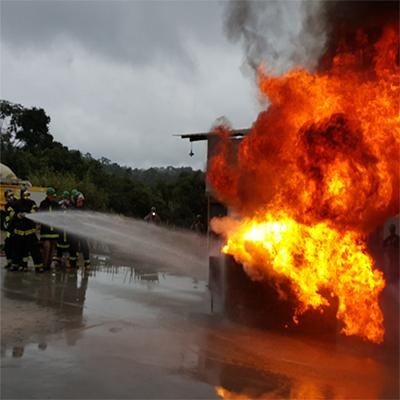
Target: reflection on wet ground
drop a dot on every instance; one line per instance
(121, 332)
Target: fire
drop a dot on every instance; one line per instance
(226, 394)
(319, 171)
(312, 258)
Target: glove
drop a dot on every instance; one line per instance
(21, 215)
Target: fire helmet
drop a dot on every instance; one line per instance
(51, 191)
(8, 194)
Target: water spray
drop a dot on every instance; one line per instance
(169, 249)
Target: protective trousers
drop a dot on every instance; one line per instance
(9, 244)
(79, 245)
(48, 247)
(63, 246)
(26, 245)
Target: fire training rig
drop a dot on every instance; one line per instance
(233, 293)
(250, 302)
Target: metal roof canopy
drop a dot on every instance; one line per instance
(196, 137)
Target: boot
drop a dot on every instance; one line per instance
(23, 267)
(39, 268)
(56, 262)
(87, 264)
(73, 262)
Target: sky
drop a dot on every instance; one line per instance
(120, 78)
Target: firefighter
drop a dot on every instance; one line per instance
(8, 224)
(63, 244)
(48, 234)
(198, 225)
(65, 202)
(80, 201)
(26, 241)
(74, 195)
(152, 217)
(78, 244)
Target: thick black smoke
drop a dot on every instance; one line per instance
(284, 33)
(345, 20)
(277, 33)
(360, 14)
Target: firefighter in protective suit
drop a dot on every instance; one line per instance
(48, 234)
(8, 225)
(78, 244)
(152, 217)
(26, 241)
(63, 243)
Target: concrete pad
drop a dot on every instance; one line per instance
(124, 333)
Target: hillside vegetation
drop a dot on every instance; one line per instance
(29, 149)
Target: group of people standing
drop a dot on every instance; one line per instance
(21, 232)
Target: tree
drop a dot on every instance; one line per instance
(29, 150)
(28, 128)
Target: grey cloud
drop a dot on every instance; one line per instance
(129, 31)
(120, 78)
(129, 113)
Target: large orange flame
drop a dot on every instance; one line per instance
(318, 171)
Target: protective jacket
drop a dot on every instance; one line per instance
(23, 226)
(9, 242)
(26, 242)
(9, 217)
(63, 240)
(48, 232)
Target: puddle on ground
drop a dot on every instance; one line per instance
(125, 332)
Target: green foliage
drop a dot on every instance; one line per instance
(97, 199)
(28, 128)
(29, 150)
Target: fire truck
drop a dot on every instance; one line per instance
(9, 181)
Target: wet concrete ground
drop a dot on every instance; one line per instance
(118, 333)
